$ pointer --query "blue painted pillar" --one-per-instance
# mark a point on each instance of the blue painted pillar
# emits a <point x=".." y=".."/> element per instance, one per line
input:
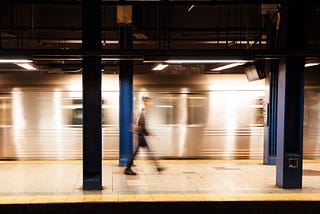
<point x="270" y="142"/>
<point x="91" y="100"/>
<point x="290" y="122"/>
<point x="126" y="97"/>
<point x="290" y="100"/>
<point x="271" y="69"/>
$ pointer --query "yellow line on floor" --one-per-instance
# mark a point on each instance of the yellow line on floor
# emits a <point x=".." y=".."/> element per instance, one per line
<point x="27" y="199"/>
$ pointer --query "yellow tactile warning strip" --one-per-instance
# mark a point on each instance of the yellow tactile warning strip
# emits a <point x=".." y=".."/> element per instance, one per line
<point x="157" y="198"/>
<point x="25" y="182"/>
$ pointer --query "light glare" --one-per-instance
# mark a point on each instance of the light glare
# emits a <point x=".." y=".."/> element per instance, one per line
<point x="159" y="67"/>
<point x="15" y="60"/>
<point x="204" y="61"/>
<point x="227" y="66"/>
<point x="311" y="64"/>
<point x="27" y="66"/>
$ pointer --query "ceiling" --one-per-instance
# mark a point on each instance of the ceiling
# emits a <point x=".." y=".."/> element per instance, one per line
<point x="46" y="30"/>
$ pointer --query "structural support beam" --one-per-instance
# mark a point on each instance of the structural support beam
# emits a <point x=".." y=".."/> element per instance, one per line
<point x="290" y="122"/>
<point x="91" y="83"/>
<point x="126" y="97"/>
<point x="124" y="19"/>
<point x="270" y="141"/>
<point x="125" y="113"/>
<point x="152" y="55"/>
<point x="150" y="2"/>
<point x="290" y="100"/>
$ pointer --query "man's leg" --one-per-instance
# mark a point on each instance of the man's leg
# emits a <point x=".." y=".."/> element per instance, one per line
<point x="128" y="170"/>
<point x="152" y="157"/>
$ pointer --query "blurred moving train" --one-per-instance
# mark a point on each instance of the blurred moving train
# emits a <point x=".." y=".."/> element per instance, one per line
<point x="218" y="116"/>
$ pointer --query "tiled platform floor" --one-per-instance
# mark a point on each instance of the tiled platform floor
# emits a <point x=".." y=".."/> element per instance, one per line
<point x="34" y="182"/>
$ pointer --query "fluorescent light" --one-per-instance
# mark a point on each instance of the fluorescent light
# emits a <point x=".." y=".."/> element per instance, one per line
<point x="15" y="60"/>
<point x="190" y="8"/>
<point x="121" y="59"/>
<point x="110" y="42"/>
<point x="28" y="66"/>
<point x="311" y="64"/>
<point x="236" y="42"/>
<point x="205" y="61"/>
<point x="75" y="41"/>
<point x="24" y="63"/>
<point x="159" y="67"/>
<point x="140" y="36"/>
<point x="227" y="66"/>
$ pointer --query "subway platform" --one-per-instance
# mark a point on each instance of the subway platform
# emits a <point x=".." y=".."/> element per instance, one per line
<point x="189" y="186"/>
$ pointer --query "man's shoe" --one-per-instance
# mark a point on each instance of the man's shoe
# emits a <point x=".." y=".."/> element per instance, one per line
<point x="129" y="172"/>
<point x="160" y="169"/>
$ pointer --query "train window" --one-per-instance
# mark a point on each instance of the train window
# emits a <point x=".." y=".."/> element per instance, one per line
<point x="182" y="110"/>
<point x="195" y="110"/>
<point x="5" y="111"/>
<point x="259" y="114"/>
<point x="77" y="112"/>
<point x="168" y="107"/>
<point x="74" y="110"/>
<point x="110" y="115"/>
<point x="104" y="117"/>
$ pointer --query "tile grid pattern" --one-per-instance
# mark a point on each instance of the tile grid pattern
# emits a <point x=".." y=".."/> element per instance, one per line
<point x="182" y="180"/>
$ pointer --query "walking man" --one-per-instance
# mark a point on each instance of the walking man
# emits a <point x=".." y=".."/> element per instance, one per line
<point x="141" y="131"/>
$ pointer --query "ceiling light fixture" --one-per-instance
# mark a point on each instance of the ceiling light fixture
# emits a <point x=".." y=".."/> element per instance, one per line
<point x="15" y="60"/>
<point x="311" y="64"/>
<point x="204" y="61"/>
<point x="159" y="67"/>
<point x="29" y="66"/>
<point x="24" y="63"/>
<point x="114" y="58"/>
<point x="140" y="36"/>
<point x="76" y="41"/>
<point x="190" y="8"/>
<point x="227" y="66"/>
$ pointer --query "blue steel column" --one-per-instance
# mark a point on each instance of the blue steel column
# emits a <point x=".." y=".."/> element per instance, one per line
<point x="126" y="97"/>
<point x="271" y="68"/>
<point x="290" y="100"/>
<point x="91" y="83"/>
<point x="270" y="142"/>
